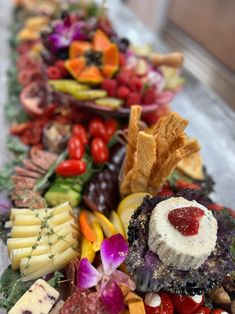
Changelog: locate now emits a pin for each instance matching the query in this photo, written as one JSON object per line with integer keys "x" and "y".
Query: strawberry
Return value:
{"x": 133, "y": 99}
{"x": 187, "y": 304}
{"x": 110, "y": 86}
{"x": 54, "y": 73}
{"x": 203, "y": 310}
{"x": 149, "y": 97}
{"x": 122, "y": 59}
{"x": 135, "y": 84}
{"x": 218, "y": 311}
{"x": 123, "y": 92}
{"x": 124, "y": 77}
{"x": 186, "y": 220}
{"x": 158, "y": 303}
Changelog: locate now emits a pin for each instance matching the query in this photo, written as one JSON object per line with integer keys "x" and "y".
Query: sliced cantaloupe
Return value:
{"x": 101, "y": 41}
{"x": 91, "y": 75}
{"x": 78, "y": 48}
{"x": 75, "y": 66}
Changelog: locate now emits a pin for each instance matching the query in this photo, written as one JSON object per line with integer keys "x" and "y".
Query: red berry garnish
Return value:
{"x": 215, "y": 206}
{"x": 158, "y": 303}
{"x": 122, "y": 59}
{"x": 123, "y": 92}
{"x": 203, "y": 310}
{"x": 124, "y": 77}
{"x": 186, "y": 220}
{"x": 53, "y": 73}
{"x": 133, "y": 99}
{"x": 149, "y": 97}
{"x": 135, "y": 84}
{"x": 60, "y": 65}
{"x": 110, "y": 86}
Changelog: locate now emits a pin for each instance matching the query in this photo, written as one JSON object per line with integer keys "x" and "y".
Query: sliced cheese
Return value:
{"x": 39, "y": 299}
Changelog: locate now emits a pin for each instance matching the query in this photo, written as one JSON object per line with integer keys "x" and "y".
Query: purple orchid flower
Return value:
{"x": 106, "y": 277}
{"x": 65, "y": 32}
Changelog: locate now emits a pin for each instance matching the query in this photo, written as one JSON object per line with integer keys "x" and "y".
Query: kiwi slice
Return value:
{"x": 67, "y": 86}
{"x": 111, "y": 102}
{"x": 89, "y": 94}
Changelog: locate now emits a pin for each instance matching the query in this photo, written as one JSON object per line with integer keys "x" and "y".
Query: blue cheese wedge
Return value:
{"x": 39, "y": 299}
{"x": 173, "y": 248}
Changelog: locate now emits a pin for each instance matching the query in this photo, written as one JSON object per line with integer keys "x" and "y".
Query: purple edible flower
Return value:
{"x": 106, "y": 277}
{"x": 64, "y": 32}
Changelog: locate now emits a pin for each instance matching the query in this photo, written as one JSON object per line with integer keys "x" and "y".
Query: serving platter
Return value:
{"x": 212, "y": 127}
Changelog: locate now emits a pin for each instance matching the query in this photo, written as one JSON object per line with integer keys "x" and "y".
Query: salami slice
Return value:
{"x": 25, "y": 182}
{"x": 32, "y": 167}
{"x": 27, "y": 173}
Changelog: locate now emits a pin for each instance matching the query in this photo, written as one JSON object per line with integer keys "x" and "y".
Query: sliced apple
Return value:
{"x": 116, "y": 221}
{"x": 106, "y": 225}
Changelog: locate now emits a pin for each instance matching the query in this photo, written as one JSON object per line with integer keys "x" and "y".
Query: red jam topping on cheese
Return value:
{"x": 186, "y": 220}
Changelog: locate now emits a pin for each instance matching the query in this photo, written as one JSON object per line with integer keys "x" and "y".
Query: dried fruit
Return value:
{"x": 186, "y": 220}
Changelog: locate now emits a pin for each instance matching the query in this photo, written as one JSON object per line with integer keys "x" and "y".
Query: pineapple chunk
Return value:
{"x": 18, "y": 243}
{"x": 59, "y": 262}
{"x": 24, "y": 231}
{"x": 26, "y": 220}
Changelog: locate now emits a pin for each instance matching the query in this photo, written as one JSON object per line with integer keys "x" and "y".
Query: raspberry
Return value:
{"x": 149, "y": 97}
{"x": 124, "y": 77}
{"x": 123, "y": 92}
{"x": 110, "y": 86}
{"x": 133, "y": 99}
{"x": 53, "y": 73}
{"x": 135, "y": 84}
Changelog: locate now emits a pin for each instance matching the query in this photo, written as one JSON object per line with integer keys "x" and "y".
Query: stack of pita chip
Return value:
{"x": 153, "y": 154}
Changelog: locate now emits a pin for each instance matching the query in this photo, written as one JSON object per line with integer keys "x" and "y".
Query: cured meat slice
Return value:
{"x": 27, "y": 173}
{"x": 25, "y": 182}
{"x": 28, "y": 198}
{"x": 32, "y": 167}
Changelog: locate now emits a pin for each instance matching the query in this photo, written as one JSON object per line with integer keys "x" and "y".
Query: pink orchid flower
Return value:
{"x": 106, "y": 277}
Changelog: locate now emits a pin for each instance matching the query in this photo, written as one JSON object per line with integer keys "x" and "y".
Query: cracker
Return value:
{"x": 133, "y": 130}
{"x": 192, "y": 166}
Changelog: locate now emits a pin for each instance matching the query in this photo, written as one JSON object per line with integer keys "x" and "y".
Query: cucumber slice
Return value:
{"x": 89, "y": 94}
{"x": 67, "y": 86}
{"x": 111, "y": 102}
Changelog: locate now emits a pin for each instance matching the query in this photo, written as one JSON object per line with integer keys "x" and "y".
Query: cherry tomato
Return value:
{"x": 110, "y": 128}
{"x": 79, "y": 130}
{"x": 70, "y": 168}
{"x": 186, "y": 304}
{"x": 76, "y": 147}
{"x": 158, "y": 303}
{"x": 203, "y": 310}
{"x": 97, "y": 128}
{"x": 99, "y": 151}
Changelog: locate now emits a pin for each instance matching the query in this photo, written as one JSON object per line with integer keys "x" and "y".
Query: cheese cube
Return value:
{"x": 39, "y": 299}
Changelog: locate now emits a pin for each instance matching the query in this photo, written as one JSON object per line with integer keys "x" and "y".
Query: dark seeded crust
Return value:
{"x": 150, "y": 274}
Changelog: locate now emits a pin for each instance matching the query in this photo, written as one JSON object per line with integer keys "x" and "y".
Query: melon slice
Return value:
{"x": 75, "y": 66}
{"x": 78, "y": 48}
{"x": 91, "y": 75}
{"x": 101, "y": 41}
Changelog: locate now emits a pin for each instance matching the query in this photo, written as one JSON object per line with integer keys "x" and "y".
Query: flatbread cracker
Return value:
{"x": 192, "y": 166}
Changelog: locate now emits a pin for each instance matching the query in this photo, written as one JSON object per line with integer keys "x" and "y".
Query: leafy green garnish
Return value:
{"x": 55, "y": 280}
{"x": 12, "y": 287}
{"x": 43, "y": 182}
{"x": 5, "y": 177}
{"x": 15, "y": 145}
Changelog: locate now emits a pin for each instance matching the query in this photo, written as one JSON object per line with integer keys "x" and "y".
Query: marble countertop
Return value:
{"x": 211, "y": 120}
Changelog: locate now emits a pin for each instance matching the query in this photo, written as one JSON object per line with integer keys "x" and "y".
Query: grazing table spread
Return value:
{"x": 107, "y": 205}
